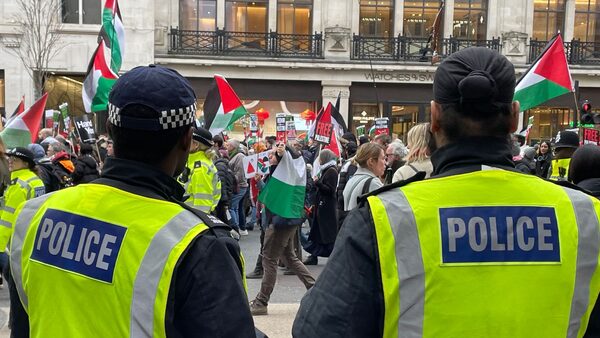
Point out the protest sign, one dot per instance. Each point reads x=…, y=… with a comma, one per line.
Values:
x=253, y=123
x=64, y=110
x=280, y=127
x=290, y=127
x=323, y=132
x=263, y=162
x=249, y=163
x=85, y=129
x=591, y=136
x=381, y=126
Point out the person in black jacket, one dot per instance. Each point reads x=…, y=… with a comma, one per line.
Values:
x=205, y=292
x=346, y=172
x=86, y=167
x=543, y=160
x=584, y=169
x=324, y=225
x=227, y=184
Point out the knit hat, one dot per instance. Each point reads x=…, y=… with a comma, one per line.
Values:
x=37, y=150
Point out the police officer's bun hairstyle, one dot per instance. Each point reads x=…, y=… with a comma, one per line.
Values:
x=475, y=87
x=367, y=151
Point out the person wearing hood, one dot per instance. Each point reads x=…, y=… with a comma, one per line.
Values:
x=584, y=170
x=200, y=178
x=324, y=225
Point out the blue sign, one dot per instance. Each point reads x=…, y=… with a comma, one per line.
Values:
x=79, y=244
x=499, y=234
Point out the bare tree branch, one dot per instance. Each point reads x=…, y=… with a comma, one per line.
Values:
x=38, y=37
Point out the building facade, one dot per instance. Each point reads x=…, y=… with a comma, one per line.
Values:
x=291, y=55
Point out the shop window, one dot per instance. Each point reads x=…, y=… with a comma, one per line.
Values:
x=294, y=16
x=587, y=20
x=376, y=18
x=81, y=11
x=548, y=18
x=547, y=122
x=470, y=19
x=246, y=16
x=419, y=17
x=198, y=15
x=364, y=114
x=2, y=95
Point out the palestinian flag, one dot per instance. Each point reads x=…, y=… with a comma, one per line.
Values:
x=284, y=192
x=339, y=122
x=98, y=82
x=547, y=78
x=23, y=129
x=20, y=108
x=222, y=106
x=113, y=33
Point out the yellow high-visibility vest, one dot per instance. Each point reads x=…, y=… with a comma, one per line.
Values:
x=203, y=184
x=560, y=169
x=24, y=185
x=491, y=253
x=83, y=267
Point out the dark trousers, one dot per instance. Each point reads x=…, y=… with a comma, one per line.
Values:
x=278, y=245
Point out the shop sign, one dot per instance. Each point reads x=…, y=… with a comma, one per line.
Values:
x=591, y=136
x=400, y=77
x=381, y=126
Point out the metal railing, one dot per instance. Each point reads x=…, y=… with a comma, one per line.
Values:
x=578, y=52
x=403, y=48
x=221, y=42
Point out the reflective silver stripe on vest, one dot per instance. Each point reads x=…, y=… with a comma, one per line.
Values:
x=151, y=269
x=588, y=239
x=5, y=223
x=8, y=209
x=201, y=196
x=411, y=272
x=22, y=225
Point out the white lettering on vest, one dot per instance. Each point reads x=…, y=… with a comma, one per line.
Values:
x=55, y=244
x=544, y=233
x=80, y=245
x=105, y=251
x=523, y=222
x=477, y=225
x=90, y=256
x=45, y=231
x=454, y=232
x=496, y=246
x=65, y=249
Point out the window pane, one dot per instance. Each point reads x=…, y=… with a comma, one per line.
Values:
x=188, y=19
x=580, y=31
x=302, y=20
x=540, y=25
x=207, y=13
x=257, y=17
x=285, y=19
x=70, y=11
x=419, y=18
x=582, y=5
x=556, y=5
x=235, y=17
x=91, y=12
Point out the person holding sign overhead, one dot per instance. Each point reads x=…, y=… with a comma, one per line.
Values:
x=477, y=250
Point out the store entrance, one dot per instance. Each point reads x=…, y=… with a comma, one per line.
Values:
x=404, y=116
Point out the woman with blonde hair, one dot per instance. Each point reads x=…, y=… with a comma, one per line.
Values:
x=418, y=153
x=370, y=158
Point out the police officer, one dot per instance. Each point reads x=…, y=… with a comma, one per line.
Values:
x=478, y=250
x=200, y=178
x=566, y=144
x=124, y=256
x=24, y=185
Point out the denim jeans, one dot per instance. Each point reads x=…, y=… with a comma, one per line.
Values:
x=236, y=206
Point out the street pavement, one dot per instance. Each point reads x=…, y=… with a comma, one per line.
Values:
x=283, y=306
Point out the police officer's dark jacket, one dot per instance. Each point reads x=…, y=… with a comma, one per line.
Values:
x=347, y=283
x=202, y=299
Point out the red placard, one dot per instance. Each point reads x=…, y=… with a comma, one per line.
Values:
x=323, y=132
x=591, y=136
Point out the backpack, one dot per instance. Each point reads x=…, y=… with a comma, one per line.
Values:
x=54, y=177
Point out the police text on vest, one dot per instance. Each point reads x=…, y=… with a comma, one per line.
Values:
x=79, y=244
x=499, y=234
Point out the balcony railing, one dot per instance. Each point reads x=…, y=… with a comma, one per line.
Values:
x=578, y=52
x=221, y=42
x=403, y=48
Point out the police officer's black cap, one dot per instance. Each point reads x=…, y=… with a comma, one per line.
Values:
x=22, y=153
x=478, y=80
x=161, y=89
x=567, y=139
x=202, y=135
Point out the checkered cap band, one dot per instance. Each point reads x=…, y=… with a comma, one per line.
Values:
x=169, y=119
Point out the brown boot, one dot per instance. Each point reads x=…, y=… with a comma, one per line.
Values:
x=257, y=308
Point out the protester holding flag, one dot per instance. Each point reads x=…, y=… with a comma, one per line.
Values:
x=283, y=197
